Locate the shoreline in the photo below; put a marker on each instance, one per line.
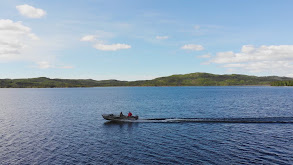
(144, 86)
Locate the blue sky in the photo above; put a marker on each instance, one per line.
(144, 39)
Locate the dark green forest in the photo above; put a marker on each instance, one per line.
(282, 83)
(192, 79)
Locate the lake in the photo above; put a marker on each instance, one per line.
(65, 126)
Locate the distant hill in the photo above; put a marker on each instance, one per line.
(192, 79)
(207, 79)
(44, 82)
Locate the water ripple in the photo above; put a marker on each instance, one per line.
(64, 126)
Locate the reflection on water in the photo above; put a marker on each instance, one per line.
(110, 124)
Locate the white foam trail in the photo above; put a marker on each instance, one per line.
(212, 120)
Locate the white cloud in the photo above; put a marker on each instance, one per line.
(274, 59)
(89, 38)
(18, 43)
(251, 54)
(192, 47)
(113, 47)
(30, 11)
(98, 36)
(13, 39)
(9, 25)
(161, 37)
(100, 41)
(205, 56)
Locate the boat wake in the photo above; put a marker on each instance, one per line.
(212, 120)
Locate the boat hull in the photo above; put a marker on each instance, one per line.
(118, 117)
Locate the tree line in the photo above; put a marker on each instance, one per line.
(192, 79)
(282, 83)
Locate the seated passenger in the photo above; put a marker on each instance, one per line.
(129, 114)
(121, 114)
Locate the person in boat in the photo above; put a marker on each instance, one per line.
(121, 114)
(129, 114)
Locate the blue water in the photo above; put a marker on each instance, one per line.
(65, 126)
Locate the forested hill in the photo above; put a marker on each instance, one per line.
(207, 79)
(192, 79)
(43, 82)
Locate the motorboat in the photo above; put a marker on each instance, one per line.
(114, 117)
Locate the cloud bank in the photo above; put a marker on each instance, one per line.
(276, 59)
(18, 43)
(30, 11)
(13, 39)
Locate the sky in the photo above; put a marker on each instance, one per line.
(144, 39)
